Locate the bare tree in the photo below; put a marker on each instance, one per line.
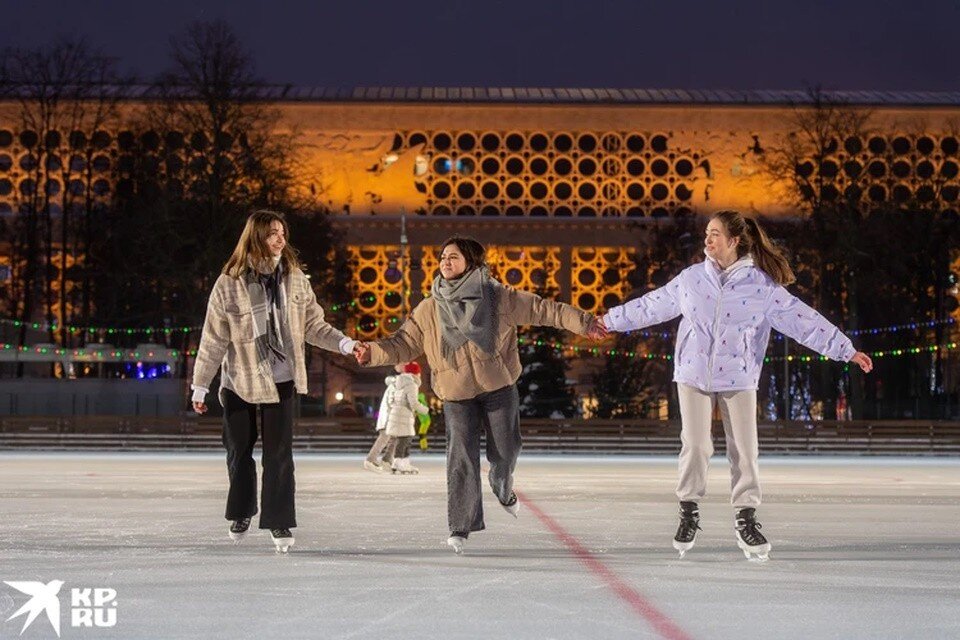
(872, 208)
(64, 94)
(205, 153)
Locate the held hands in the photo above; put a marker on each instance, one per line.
(200, 407)
(863, 360)
(362, 353)
(597, 330)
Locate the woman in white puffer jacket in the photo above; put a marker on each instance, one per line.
(404, 405)
(728, 303)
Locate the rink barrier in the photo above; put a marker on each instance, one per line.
(857, 437)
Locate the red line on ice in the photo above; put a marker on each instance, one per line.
(659, 621)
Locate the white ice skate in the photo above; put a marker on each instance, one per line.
(754, 546)
(282, 539)
(456, 541)
(372, 466)
(403, 466)
(238, 529)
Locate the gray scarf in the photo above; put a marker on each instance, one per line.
(466, 310)
(266, 304)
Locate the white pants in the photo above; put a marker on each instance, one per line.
(739, 412)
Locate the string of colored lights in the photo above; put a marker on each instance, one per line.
(76, 329)
(98, 352)
(883, 353)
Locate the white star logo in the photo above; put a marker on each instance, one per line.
(44, 598)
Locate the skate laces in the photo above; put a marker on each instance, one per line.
(749, 530)
(280, 533)
(689, 524)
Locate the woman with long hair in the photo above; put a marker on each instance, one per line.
(260, 314)
(728, 304)
(468, 330)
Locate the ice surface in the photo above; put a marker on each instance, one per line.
(862, 548)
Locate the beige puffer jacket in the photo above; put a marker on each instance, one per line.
(470, 371)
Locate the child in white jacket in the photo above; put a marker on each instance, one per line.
(381, 446)
(404, 405)
(728, 304)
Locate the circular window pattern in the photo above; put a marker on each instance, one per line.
(490, 142)
(562, 166)
(466, 142)
(514, 190)
(514, 142)
(490, 165)
(441, 189)
(539, 142)
(442, 141)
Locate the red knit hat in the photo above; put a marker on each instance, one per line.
(412, 367)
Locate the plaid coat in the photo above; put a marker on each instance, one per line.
(227, 340)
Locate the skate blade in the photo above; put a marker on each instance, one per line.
(683, 547)
(283, 547)
(758, 554)
(237, 537)
(456, 544)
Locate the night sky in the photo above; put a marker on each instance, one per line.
(698, 44)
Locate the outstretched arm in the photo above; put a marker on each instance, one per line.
(405, 345)
(525, 308)
(791, 317)
(652, 308)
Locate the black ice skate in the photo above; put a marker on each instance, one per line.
(512, 506)
(239, 529)
(749, 538)
(689, 525)
(282, 538)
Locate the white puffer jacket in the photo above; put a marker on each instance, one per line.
(726, 322)
(404, 405)
(384, 411)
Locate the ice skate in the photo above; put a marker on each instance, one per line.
(372, 466)
(456, 540)
(403, 466)
(689, 525)
(512, 506)
(754, 546)
(282, 539)
(239, 529)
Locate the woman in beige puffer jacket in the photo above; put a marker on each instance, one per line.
(468, 330)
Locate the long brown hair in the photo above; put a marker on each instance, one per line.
(754, 240)
(252, 246)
